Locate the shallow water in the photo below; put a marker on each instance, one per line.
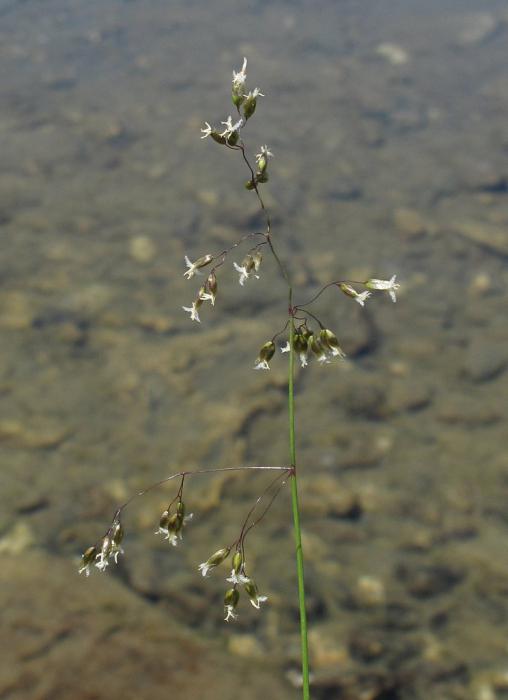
(388, 124)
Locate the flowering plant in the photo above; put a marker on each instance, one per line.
(302, 336)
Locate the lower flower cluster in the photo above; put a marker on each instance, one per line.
(171, 523)
(238, 578)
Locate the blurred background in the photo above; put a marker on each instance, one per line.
(388, 123)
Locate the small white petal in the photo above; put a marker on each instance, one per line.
(203, 568)
(262, 365)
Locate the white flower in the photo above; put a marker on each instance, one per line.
(237, 578)
(116, 550)
(244, 273)
(193, 310)
(206, 296)
(194, 267)
(230, 127)
(254, 94)
(171, 535)
(240, 77)
(303, 359)
(362, 297)
(262, 364)
(204, 568)
(101, 561)
(258, 600)
(302, 355)
(206, 131)
(252, 591)
(264, 154)
(230, 613)
(389, 286)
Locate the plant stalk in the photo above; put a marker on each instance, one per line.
(296, 513)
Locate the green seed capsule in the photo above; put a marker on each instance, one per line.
(89, 555)
(218, 557)
(117, 533)
(251, 589)
(231, 597)
(237, 562)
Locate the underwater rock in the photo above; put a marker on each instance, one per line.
(474, 28)
(16, 311)
(366, 399)
(142, 249)
(393, 53)
(410, 223)
(42, 436)
(492, 236)
(17, 540)
(369, 591)
(77, 637)
(485, 360)
(466, 410)
(427, 581)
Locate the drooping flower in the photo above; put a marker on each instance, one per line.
(193, 310)
(317, 348)
(88, 560)
(249, 267)
(330, 341)
(265, 355)
(101, 559)
(389, 286)
(360, 297)
(208, 291)
(194, 267)
(171, 525)
(300, 346)
(116, 534)
(216, 559)
(252, 591)
(231, 598)
(237, 577)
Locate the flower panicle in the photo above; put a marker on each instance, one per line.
(110, 547)
(171, 524)
(323, 346)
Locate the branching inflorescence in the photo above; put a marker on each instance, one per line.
(305, 337)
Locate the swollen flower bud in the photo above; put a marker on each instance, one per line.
(231, 598)
(330, 342)
(265, 355)
(101, 560)
(317, 348)
(237, 562)
(88, 558)
(197, 265)
(252, 591)
(247, 268)
(257, 257)
(349, 291)
(216, 559)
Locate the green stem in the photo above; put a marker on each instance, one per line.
(296, 513)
